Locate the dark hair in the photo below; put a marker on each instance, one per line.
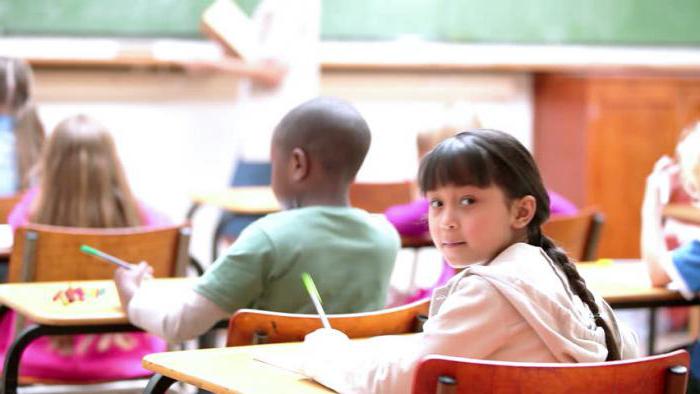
(329, 129)
(482, 157)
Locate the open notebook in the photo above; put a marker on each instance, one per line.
(226, 23)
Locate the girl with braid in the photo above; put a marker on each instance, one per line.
(518, 296)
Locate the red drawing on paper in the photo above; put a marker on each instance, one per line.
(77, 294)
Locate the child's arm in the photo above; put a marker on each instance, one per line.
(267, 73)
(128, 281)
(653, 244)
(474, 322)
(175, 317)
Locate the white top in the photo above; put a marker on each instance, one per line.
(178, 316)
(288, 33)
(519, 307)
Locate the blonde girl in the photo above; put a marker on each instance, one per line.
(82, 184)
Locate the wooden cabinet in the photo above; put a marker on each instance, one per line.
(598, 136)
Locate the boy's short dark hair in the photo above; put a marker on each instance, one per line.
(331, 131)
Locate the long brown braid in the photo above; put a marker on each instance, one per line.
(481, 157)
(578, 285)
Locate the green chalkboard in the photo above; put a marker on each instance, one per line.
(652, 22)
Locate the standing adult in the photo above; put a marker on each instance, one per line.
(283, 72)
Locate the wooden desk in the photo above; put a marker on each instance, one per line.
(260, 200)
(33, 301)
(228, 370)
(625, 284)
(239, 200)
(243, 200)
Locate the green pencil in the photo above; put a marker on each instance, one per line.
(104, 256)
(315, 298)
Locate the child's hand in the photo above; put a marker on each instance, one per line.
(325, 337)
(128, 281)
(321, 351)
(660, 183)
(320, 348)
(270, 73)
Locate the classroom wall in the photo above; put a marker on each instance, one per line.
(176, 133)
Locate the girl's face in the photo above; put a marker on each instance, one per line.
(470, 224)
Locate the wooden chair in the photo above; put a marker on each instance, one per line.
(577, 234)
(6, 205)
(661, 374)
(377, 197)
(44, 253)
(248, 326)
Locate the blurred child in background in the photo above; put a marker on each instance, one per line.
(82, 184)
(21, 131)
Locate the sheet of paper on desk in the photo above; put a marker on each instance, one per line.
(5, 236)
(288, 360)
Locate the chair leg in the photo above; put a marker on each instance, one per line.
(10, 371)
(191, 211)
(694, 322)
(419, 323)
(676, 380)
(446, 385)
(215, 239)
(651, 343)
(158, 384)
(414, 270)
(259, 338)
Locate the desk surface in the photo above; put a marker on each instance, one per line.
(625, 281)
(247, 200)
(234, 370)
(34, 300)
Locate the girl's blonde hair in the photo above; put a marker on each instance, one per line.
(428, 139)
(82, 180)
(688, 153)
(16, 80)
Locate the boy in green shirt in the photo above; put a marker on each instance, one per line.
(316, 151)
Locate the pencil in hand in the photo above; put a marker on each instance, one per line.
(106, 257)
(315, 298)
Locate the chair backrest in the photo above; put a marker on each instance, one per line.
(248, 326)
(6, 205)
(666, 373)
(50, 253)
(377, 197)
(577, 234)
